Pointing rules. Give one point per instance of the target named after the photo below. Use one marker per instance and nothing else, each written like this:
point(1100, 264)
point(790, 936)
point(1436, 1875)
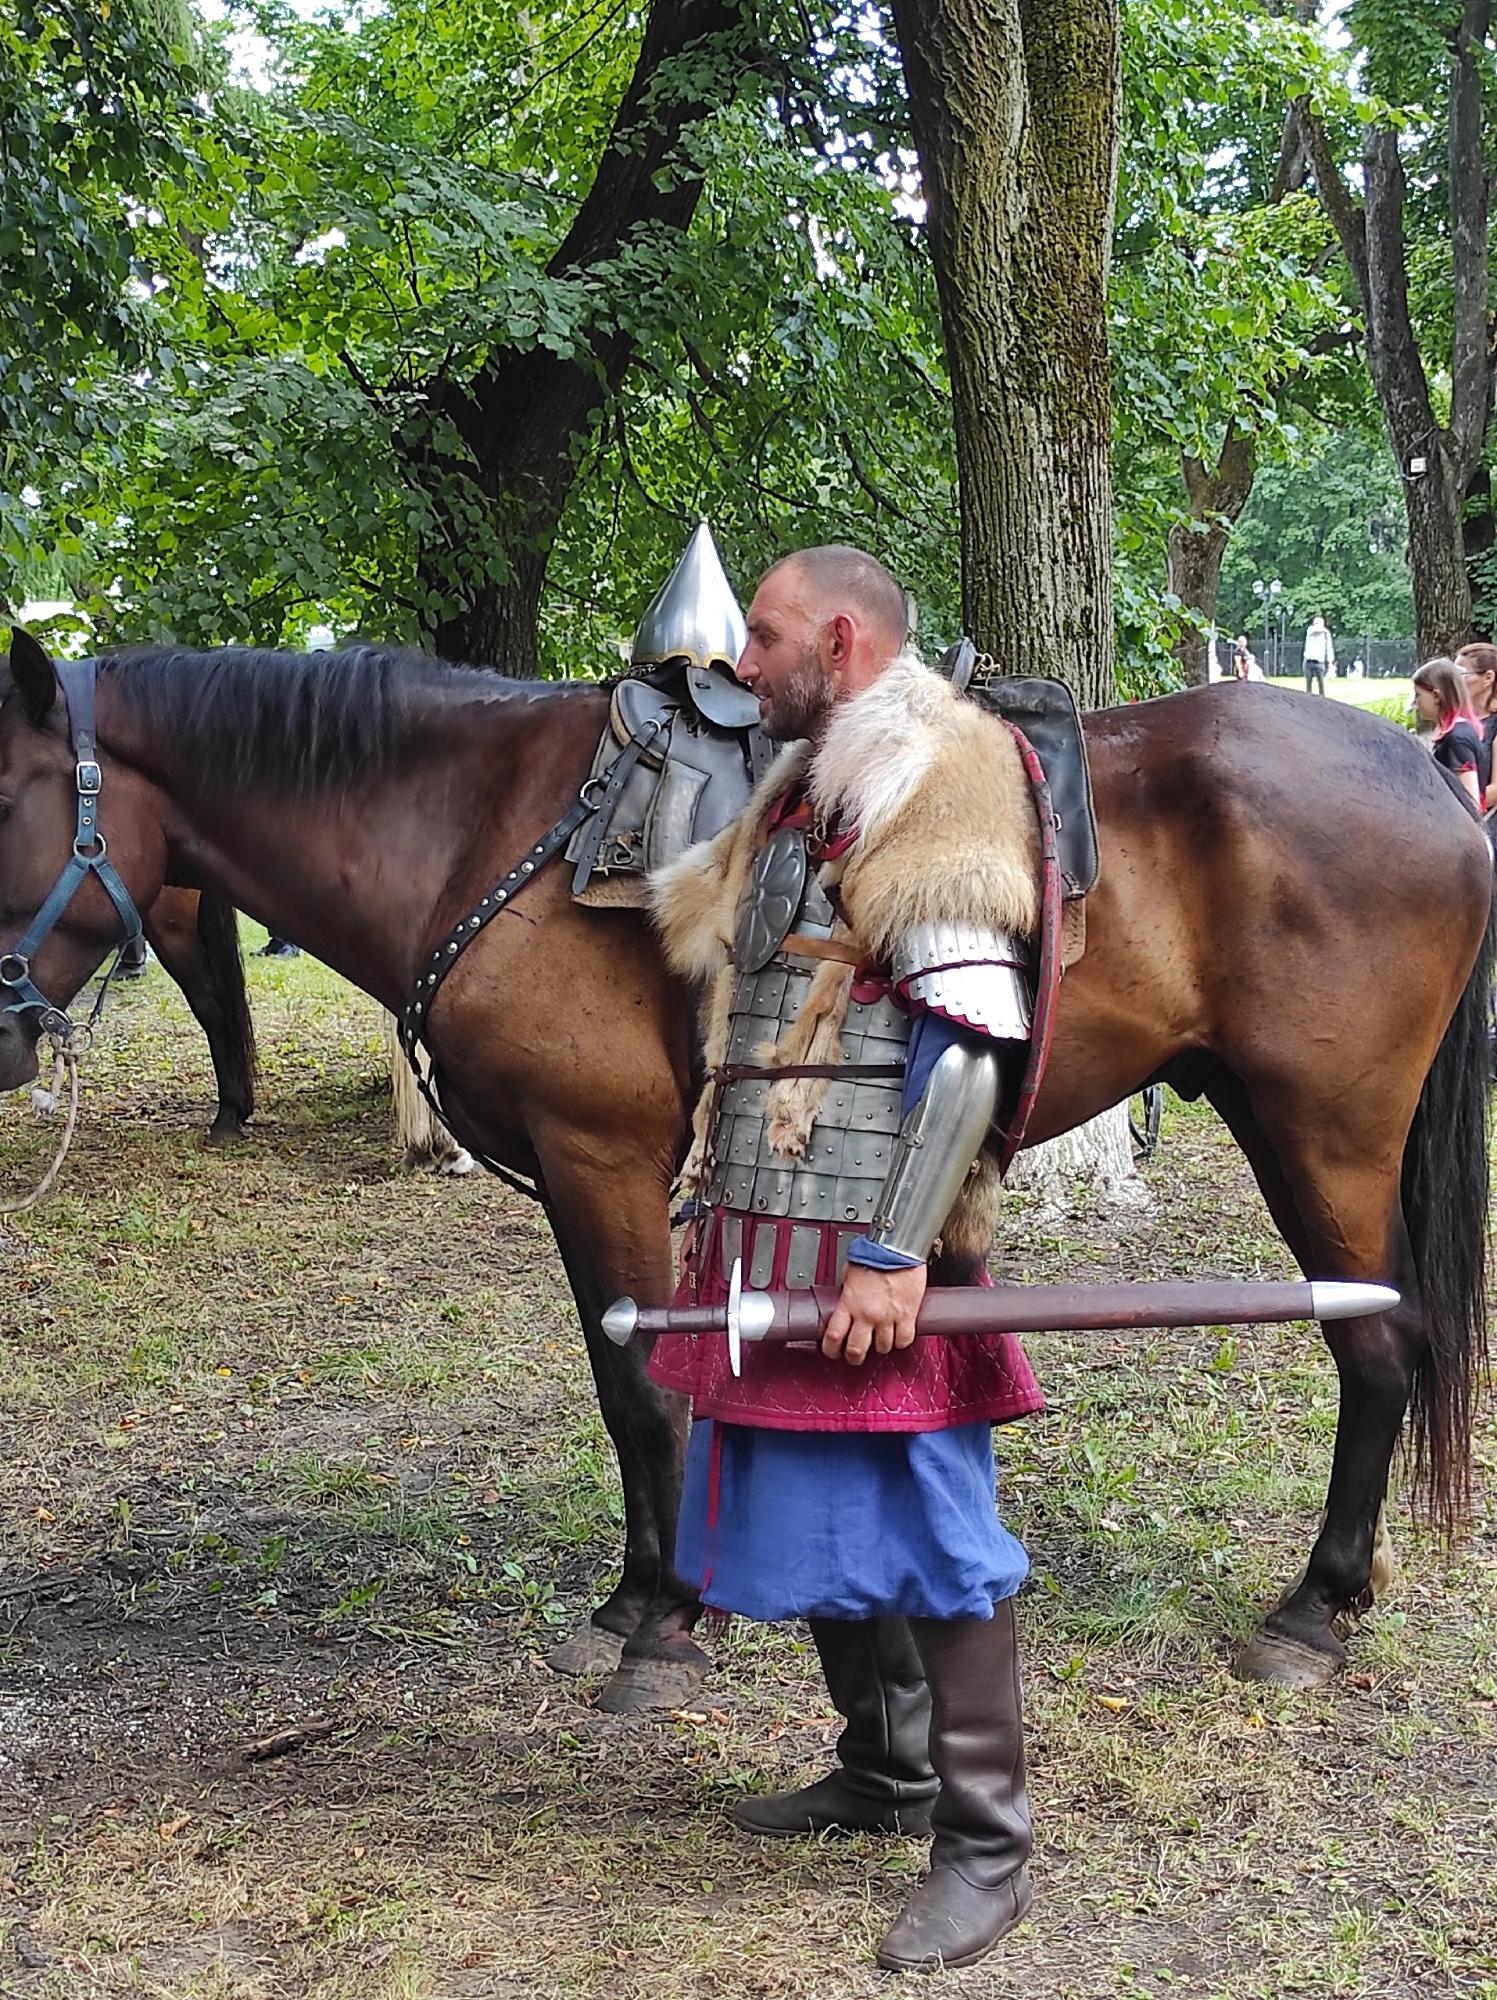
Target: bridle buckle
point(90, 778)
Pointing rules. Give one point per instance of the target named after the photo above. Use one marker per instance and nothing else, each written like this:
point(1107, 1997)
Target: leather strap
point(758, 1073)
point(800, 946)
point(618, 777)
point(411, 1026)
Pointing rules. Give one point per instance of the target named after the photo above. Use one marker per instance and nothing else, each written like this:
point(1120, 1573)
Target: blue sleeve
point(930, 1037)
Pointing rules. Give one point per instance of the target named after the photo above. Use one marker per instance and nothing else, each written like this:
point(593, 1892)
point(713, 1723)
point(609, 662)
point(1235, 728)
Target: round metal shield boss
point(776, 886)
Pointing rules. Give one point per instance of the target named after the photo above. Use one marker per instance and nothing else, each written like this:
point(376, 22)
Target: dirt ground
point(291, 1441)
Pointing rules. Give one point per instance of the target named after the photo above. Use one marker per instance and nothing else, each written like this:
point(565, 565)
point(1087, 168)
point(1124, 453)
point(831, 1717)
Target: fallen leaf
point(1113, 1703)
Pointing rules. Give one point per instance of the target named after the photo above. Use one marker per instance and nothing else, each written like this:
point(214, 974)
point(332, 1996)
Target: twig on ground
point(281, 1742)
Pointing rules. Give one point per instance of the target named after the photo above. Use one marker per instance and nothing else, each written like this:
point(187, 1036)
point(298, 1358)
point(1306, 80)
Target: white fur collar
point(879, 745)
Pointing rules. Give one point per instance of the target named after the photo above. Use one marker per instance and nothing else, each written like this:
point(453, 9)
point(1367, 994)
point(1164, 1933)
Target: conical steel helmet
point(694, 615)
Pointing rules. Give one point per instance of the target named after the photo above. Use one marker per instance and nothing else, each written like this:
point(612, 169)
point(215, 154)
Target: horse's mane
point(293, 723)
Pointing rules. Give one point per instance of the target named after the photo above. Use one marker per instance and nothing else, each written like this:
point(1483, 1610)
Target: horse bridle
point(90, 856)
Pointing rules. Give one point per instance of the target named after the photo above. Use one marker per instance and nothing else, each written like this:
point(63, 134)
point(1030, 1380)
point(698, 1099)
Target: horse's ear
point(34, 676)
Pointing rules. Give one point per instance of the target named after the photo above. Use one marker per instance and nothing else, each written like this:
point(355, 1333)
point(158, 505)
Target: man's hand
point(876, 1311)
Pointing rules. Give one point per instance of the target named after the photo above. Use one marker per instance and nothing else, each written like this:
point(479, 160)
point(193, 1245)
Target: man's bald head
point(837, 577)
point(823, 626)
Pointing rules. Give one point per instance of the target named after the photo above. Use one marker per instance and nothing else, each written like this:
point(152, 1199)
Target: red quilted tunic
point(933, 1385)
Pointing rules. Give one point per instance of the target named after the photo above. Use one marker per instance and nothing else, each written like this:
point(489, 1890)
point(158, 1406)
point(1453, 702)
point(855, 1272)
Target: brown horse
point(1292, 918)
point(196, 939)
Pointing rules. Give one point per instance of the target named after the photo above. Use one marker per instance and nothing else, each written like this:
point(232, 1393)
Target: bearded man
point(857, 930)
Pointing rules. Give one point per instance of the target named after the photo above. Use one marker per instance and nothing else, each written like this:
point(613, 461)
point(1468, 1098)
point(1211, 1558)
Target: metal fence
point(1382, 659)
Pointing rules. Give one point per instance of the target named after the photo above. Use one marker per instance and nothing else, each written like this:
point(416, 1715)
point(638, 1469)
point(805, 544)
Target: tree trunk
point(497, 453)
point(1436, 462)
point(1437, 556)
point(1198, 544)
point(1016, 116)
point(1478, 539)
point(1016, 112)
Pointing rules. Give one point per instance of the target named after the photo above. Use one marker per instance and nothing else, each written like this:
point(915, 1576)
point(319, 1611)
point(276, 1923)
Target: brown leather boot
point(978, 1885)
point(883, 1782)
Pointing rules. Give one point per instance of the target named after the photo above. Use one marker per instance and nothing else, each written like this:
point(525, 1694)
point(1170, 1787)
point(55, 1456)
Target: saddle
point(677, 761)
point(1045, 711)
point(682, 751)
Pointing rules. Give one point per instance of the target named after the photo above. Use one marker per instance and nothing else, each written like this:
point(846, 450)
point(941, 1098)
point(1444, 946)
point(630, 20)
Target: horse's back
point(1272, 865)
point(1241, 776)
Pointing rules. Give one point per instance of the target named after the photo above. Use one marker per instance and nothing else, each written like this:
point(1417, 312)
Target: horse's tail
point(218, 936)
point(422, 1138)
point(1445, 1207)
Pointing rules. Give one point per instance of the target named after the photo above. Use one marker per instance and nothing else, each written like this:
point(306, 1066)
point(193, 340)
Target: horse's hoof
point(590, 1650)
point(642, 1686)
point(224, 1135)
point(1288, 1663)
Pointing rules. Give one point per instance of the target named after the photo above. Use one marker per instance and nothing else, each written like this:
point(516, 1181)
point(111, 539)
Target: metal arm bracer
point(933, 1152)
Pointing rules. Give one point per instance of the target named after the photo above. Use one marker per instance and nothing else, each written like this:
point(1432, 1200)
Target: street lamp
point(1268, 595)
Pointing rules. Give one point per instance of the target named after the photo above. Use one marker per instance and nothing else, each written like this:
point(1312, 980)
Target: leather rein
point(19, 992)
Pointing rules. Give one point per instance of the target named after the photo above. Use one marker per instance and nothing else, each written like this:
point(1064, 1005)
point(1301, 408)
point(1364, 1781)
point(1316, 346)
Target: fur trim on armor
point(946, 833)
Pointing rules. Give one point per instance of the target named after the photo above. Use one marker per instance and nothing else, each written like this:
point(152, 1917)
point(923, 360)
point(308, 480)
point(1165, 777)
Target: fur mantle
point(946, 833)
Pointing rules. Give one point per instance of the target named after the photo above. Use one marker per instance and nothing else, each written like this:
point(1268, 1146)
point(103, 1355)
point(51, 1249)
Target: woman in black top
point(1440, 698)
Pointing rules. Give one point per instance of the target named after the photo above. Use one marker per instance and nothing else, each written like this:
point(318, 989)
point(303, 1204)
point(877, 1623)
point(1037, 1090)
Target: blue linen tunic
point(847, 1525)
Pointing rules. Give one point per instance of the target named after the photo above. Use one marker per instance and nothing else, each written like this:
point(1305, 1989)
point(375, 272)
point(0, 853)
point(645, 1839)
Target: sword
point(951, 1309)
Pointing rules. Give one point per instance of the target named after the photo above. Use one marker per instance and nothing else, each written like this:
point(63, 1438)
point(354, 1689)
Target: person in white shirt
point(1320, 655)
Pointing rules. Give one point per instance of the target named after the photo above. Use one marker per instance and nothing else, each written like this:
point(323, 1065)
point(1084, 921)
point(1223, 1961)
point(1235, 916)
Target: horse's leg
point(1335, 1198)
point(196, 939)
point(611, 1225)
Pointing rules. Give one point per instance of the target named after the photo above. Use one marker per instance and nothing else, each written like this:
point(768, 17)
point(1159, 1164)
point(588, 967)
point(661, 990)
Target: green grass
point(289, 1436)
point(1393, 696)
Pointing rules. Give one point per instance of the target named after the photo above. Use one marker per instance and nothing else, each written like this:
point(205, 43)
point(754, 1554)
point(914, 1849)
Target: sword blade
point(954, 1309)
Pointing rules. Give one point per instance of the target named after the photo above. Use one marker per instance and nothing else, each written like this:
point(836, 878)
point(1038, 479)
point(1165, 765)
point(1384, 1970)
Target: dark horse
point(1292, 917)
point(196, 938)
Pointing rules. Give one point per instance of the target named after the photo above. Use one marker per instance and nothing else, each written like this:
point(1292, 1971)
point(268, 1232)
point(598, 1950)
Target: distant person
point(1440, 702)
point(1320, 655)
point(1242, 654)
point(1477, 666)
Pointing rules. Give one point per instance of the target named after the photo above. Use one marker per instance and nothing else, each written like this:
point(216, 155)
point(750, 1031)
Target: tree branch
point(1347, 219)
point(1293, 168)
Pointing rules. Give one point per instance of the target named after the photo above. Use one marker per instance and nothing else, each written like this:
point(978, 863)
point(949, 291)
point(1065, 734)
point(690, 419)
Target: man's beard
point(802, 705)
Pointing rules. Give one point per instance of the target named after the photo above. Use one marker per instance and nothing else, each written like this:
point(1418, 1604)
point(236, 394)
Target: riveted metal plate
point(805, 1253)
point(776, 885)
point(761, 1259)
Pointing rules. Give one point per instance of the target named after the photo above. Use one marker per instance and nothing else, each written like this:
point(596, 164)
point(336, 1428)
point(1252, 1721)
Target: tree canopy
point(447, 320)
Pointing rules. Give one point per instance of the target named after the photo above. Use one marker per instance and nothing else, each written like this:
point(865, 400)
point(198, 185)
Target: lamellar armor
point(870, 1168)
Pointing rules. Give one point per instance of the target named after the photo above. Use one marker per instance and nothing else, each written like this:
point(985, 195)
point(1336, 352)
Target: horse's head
point(40, 828)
